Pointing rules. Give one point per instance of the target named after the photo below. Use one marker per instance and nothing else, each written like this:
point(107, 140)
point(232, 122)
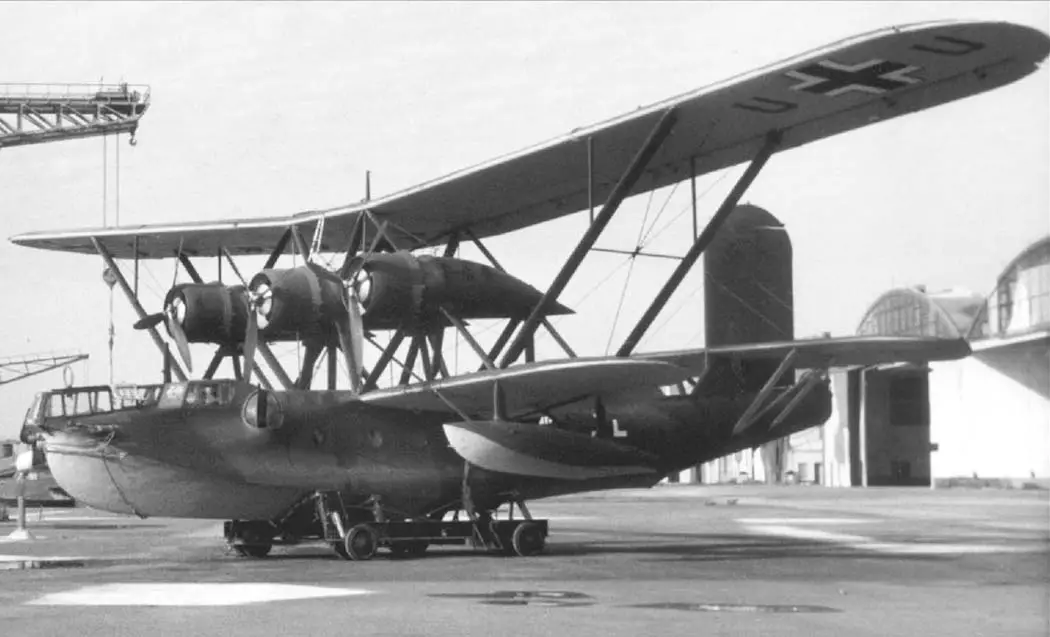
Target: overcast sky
point(272, 108)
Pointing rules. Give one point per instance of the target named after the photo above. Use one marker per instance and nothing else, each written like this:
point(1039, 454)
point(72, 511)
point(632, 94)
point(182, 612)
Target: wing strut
point(545, 322)
point(133, 299)
point(748, 417)
point(384, 358)
point(701, 243)
point(612, 204)
point(806, 385)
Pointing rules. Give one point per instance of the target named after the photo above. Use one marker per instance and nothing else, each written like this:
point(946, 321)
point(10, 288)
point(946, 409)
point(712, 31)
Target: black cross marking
point(829, 78)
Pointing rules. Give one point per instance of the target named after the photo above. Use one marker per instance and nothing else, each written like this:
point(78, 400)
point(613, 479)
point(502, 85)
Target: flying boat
point(437, 457)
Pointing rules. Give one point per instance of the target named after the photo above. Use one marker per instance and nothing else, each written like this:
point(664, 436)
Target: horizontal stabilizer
point(531, 387)
point(543, 451)
point(824, 353)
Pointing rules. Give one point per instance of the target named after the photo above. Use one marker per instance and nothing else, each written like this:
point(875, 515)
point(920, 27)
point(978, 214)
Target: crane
point(33, 113)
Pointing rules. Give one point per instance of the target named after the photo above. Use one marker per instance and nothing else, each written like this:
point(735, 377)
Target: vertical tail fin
point(748, 296)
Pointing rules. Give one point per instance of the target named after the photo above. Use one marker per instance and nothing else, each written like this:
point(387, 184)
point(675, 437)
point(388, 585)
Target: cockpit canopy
point(197, 393)
point(70, 402)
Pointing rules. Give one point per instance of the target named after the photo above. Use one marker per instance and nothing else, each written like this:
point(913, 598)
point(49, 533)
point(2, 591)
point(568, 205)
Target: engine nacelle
point(401, 290)
point(209, 312)
point(296, 303)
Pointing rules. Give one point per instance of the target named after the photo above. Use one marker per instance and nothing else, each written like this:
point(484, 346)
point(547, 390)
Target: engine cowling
point(296, 302)
point(400, 290)
point(209, 312)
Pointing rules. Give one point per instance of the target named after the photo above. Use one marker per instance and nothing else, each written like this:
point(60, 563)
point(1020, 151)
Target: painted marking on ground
point(806, 520)
point(5, 539)
point(204, 594)
point(15, 558)
point(870, 544)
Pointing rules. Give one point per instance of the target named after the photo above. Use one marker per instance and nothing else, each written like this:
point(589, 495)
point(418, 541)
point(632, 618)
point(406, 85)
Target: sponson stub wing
point(840, 87)
point(530, 388)
point(825, 353)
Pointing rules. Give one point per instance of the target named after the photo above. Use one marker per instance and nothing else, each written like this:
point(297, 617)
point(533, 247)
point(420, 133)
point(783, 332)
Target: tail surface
point(748, 297)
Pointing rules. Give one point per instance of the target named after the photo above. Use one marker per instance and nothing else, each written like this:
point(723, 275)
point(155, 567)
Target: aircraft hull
point(210, 464)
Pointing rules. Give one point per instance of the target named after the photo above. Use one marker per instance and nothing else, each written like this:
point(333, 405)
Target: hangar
point(980, 421)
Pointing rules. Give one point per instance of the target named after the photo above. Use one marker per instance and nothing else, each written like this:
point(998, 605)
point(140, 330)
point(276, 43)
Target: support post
point(133, 299)
point(558, 337)
point(701, 243)
point(612, 204)
point(502, 339)
point(192, 271)
point(590, 177)
point(544, 321)
point(469, 338)
point(385, 358)
point(21, 532)
point(300, 242)
point(333, 368)
point(278, 250)
point(692, 190)
point(808, 382)
point(424, 351)
point(213, 366)
point(437, 342)
point(136, 248)
point(862, 429)
point(410, 362)
point(274, 364)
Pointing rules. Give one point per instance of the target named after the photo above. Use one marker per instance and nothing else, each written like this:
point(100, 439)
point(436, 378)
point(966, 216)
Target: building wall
point(986, 424)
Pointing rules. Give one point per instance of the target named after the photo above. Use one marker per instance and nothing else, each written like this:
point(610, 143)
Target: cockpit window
point(172, 395)
point(209, 393)
point(134, 396)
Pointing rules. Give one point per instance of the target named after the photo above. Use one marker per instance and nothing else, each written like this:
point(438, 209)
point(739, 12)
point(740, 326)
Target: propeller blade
point(357, 330)
point(251, 339)
point(346, 343)
point(147, 322)
point(183, 345)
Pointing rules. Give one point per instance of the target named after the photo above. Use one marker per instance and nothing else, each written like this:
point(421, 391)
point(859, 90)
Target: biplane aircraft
point(366, 466)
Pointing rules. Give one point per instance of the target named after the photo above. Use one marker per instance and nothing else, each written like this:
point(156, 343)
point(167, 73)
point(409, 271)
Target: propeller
point(258, 300)
point(173, 314)
point(349, 328)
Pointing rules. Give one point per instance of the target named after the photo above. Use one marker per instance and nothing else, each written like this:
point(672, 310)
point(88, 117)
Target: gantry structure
point(39, 113)
point(17, 368)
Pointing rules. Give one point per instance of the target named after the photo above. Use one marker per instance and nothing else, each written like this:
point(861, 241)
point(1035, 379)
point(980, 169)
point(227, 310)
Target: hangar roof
point(915, 312)
point(1020, 302)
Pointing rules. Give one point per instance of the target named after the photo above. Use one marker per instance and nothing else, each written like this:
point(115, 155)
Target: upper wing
point(823, 353)
point(837, 88)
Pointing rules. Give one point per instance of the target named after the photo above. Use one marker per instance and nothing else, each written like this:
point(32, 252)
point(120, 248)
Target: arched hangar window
point(1020, 302)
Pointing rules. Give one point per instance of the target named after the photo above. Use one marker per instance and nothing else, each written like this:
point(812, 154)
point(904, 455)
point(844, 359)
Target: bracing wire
point(619, 306)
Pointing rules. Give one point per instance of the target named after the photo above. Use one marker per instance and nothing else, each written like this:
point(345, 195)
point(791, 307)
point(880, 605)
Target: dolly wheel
point(528, 539)
point(361, 542)
point(340, 550)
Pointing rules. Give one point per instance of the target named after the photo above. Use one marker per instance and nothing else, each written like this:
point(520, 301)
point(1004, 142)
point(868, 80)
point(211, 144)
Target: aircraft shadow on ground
point(663, 548)
point(724, 548)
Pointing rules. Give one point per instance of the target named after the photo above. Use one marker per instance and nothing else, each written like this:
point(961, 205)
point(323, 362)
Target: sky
point(262, 109)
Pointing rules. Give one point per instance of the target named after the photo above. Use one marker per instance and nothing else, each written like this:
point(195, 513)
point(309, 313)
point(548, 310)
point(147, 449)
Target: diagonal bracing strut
point(133, 299)
point(748, 418)
point(619, 193)
point(701, 243)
